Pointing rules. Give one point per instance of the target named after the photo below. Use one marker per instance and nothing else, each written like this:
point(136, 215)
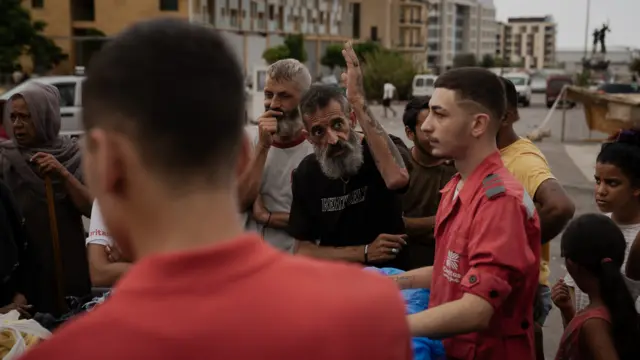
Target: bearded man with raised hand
point(346, 203)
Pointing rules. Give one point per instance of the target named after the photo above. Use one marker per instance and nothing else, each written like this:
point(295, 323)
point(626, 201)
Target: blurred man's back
point(162, 153)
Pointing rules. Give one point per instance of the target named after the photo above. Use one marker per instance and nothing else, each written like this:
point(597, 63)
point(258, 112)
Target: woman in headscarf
point(36, 151)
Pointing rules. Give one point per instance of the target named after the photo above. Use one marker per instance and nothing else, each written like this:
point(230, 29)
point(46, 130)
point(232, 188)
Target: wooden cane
point(57, 256)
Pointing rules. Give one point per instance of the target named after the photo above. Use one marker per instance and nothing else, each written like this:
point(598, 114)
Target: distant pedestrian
point(388, 93)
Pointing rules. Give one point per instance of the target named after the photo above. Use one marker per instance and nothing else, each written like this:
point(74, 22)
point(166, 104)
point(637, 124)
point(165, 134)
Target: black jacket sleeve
point(19, 236)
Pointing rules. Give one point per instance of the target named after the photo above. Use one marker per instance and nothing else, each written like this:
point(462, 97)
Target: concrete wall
point(256, 44)
point(312, 57)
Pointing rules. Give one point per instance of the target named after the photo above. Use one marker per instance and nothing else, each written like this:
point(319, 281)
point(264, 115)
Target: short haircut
point(510, 92)
point(290, 70)
point(319, 96)
point(176, 90)
point(413, 109)
point(478, 85)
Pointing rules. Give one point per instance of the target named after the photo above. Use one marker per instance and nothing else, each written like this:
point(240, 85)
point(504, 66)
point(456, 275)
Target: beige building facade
point(396, 24)
point(251, 26)
point(529, 41)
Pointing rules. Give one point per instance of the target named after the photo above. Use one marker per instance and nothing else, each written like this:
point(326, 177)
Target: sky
point(571, 15)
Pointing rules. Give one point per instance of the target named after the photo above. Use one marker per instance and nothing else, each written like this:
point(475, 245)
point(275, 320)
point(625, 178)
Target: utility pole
point(586, 30)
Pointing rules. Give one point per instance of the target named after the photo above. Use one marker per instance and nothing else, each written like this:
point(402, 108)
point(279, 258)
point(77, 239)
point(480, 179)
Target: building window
point(356, 21)
point(83, 10)
point(37, 4)
point(168, 5)
point(374, 33)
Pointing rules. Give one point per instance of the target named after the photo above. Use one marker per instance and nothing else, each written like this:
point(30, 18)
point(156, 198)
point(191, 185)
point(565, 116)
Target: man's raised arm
point(385, 153)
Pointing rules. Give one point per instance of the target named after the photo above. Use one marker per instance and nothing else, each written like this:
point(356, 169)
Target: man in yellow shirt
point(527, 164)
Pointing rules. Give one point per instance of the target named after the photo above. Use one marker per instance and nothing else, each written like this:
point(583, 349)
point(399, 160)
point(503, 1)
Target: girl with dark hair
point(617, 194)
point(609, 327)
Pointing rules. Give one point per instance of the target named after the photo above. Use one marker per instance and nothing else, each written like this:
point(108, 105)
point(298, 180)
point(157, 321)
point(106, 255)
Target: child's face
point(613, 190)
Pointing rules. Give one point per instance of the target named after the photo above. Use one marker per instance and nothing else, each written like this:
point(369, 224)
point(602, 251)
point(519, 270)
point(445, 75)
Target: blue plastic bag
point(417, 300)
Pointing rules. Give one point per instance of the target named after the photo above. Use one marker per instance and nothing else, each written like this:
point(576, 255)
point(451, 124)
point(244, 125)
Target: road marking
point(584, 156)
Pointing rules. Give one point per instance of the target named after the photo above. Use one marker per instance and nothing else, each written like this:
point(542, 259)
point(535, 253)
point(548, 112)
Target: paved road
point(563, 167)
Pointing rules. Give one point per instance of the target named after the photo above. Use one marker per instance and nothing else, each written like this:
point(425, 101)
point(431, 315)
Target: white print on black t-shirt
point(341, 202)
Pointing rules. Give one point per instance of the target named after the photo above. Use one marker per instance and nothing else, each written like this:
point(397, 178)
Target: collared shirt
point(488, 244)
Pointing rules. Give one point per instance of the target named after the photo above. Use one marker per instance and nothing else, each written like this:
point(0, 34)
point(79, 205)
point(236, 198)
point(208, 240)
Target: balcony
point(411, 46)
point(411, 22)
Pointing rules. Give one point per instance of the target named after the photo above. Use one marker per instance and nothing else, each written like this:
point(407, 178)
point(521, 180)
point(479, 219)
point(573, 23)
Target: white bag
point(10, 322)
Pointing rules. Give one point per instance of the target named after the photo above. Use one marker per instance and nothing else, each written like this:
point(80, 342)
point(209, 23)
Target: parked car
point(555, 83)
point(423, 85)
point(70, 88)
point(522, 83)
point(617, 88)
point(538, 84)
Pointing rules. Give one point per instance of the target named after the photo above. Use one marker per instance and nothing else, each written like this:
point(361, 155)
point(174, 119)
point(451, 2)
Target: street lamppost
point(586, 29)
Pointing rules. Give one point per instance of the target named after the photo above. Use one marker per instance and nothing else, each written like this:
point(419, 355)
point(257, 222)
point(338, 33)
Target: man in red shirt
point(485, 273)
point(163, 163)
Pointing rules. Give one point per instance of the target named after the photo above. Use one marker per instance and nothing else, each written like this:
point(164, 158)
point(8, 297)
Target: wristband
point(366, 254)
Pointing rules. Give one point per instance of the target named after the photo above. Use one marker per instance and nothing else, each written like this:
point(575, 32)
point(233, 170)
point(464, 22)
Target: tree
point(332, 57)
point(293, 48)
point(365, 48)
point(383, 66)
point(275, 53)
point(488, 61)
point(19, 35)
point(295, 44)
point(502, 62)
point(464, 60)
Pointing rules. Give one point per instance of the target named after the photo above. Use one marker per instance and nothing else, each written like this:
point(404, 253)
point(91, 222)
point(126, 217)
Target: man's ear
point(480, 125)
point(410, 134)
point(352, 117)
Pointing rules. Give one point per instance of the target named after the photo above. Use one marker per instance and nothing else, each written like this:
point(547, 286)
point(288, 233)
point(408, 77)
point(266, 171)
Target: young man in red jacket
point(485, 274)
point(163, 163)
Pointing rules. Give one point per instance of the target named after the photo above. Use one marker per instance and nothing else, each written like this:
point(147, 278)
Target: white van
point(423, 85)
point(522, 81)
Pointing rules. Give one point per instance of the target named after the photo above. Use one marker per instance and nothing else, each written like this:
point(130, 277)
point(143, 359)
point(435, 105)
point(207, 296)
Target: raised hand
point(353, 78)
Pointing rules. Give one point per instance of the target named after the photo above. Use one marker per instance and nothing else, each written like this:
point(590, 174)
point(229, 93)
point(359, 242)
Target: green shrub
point(382, 66)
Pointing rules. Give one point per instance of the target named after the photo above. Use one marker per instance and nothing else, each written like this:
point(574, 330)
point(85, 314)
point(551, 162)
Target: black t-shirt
point(339, 213)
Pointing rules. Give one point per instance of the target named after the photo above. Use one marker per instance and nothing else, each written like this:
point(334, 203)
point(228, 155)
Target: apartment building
point(528, 41)
point(399, 25)
point(459, 27)
point(251, 26)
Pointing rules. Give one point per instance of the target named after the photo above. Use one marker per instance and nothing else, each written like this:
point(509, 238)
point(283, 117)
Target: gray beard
point(346, 164)
point(289, 126)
